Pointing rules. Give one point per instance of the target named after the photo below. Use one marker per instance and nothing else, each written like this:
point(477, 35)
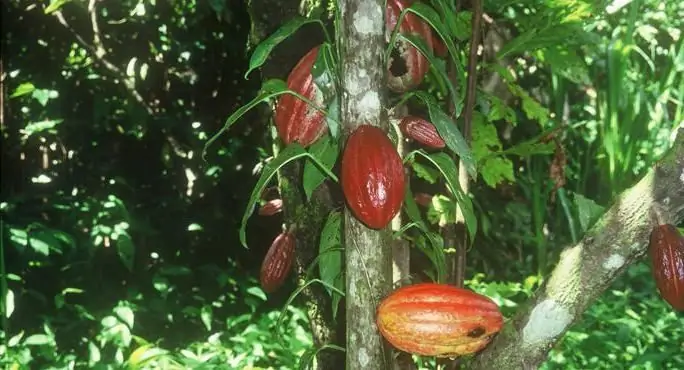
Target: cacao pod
point(421, 131)
point(372, 177)
point(271, 207)
point(667, 258)
point(277, 263)
point(439, 320)
point(407, 65)
point(295, 120)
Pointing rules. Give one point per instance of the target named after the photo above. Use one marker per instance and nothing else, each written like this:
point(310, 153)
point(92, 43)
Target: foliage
point(121, 245)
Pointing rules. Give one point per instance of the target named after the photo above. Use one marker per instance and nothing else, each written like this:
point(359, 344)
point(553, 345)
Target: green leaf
point(291, 153)
point(424, 172)
point(531, 107)
point(9, 303)
point(448, 169)
point(332, 119)
point(460, 25)
point(42, 95)
point(269, 89)
point(495, 170)
point(23, 89)
point(125, 249)
point(433, 19)
point(500, 110)
point(449, 132)
point(55, 5)
point(588, 211)
point(323, 70)
point(326, 151)
point(420, 44)
point(37, 340)
point(125, 315)
point(206, 315)
point(533, 146)
point(330, 260)
point(257, 292)
point(337, 298)
point(485, 139)
point(411, 207)
point(264, 49)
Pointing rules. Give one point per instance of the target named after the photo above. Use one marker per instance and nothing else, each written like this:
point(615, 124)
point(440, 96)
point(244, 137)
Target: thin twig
point(98, 51)
point(471, 93)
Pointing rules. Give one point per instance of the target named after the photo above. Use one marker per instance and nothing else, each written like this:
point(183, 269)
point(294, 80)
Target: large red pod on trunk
point(408, 66)
point(372, 176)
point(295, 120)
point(278, 262)
point(439, 320)
point(667, 258)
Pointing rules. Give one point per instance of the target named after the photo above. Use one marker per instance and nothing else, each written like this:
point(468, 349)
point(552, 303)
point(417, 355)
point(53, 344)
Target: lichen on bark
point(367, 252)
point(618, 239)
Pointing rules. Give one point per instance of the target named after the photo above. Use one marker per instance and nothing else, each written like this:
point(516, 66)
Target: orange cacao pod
point(295, 120)
point(271, 207)
point(439, 320)
point(421, 131)
point(277, 263)
point(667, 258)
point(372, 176)
point(408, 66)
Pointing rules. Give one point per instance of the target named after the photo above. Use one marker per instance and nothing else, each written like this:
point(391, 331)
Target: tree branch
point(586, 269)
point(98, 51)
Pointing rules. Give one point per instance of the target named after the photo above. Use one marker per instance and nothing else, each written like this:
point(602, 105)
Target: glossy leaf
point(264, 49)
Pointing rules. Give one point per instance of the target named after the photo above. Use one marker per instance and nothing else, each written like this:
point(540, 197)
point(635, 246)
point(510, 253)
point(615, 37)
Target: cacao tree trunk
point(585, 270)
point(367, 252)
point(307, 216)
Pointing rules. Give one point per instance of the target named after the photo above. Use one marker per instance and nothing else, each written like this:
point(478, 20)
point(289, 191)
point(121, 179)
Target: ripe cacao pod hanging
point(278, 262)
point(372, 176)
point(667, 258)
point(271, 207)
point(421, 131)
point(295, 120)
point(407, 65)
point(439, 320)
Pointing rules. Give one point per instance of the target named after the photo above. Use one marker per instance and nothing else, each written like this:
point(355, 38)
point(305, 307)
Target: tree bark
point(309, 216)
point(367, 252)
point(586, 269)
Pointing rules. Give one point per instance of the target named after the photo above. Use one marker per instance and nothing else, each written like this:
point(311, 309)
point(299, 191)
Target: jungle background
point(120, 243)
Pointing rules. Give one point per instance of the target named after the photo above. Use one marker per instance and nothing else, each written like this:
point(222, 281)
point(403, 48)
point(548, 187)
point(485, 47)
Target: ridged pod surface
point(409, 73)
point(295, 120)
point(666, 248)
point(439, 320)
point(372, 176)
point(278, 262)
point(421, 131)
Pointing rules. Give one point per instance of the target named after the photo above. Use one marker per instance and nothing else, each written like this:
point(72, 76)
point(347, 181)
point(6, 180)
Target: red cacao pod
point(421, 131)
point(439, 320)
point(408, 66)
point(372, 176)
point(295, 120)
point(667, 258)
point(271, 207)
point(278, 261)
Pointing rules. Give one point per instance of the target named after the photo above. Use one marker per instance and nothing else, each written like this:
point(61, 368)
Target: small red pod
point(666, 248)
point(421, 131)
point(278, 262)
